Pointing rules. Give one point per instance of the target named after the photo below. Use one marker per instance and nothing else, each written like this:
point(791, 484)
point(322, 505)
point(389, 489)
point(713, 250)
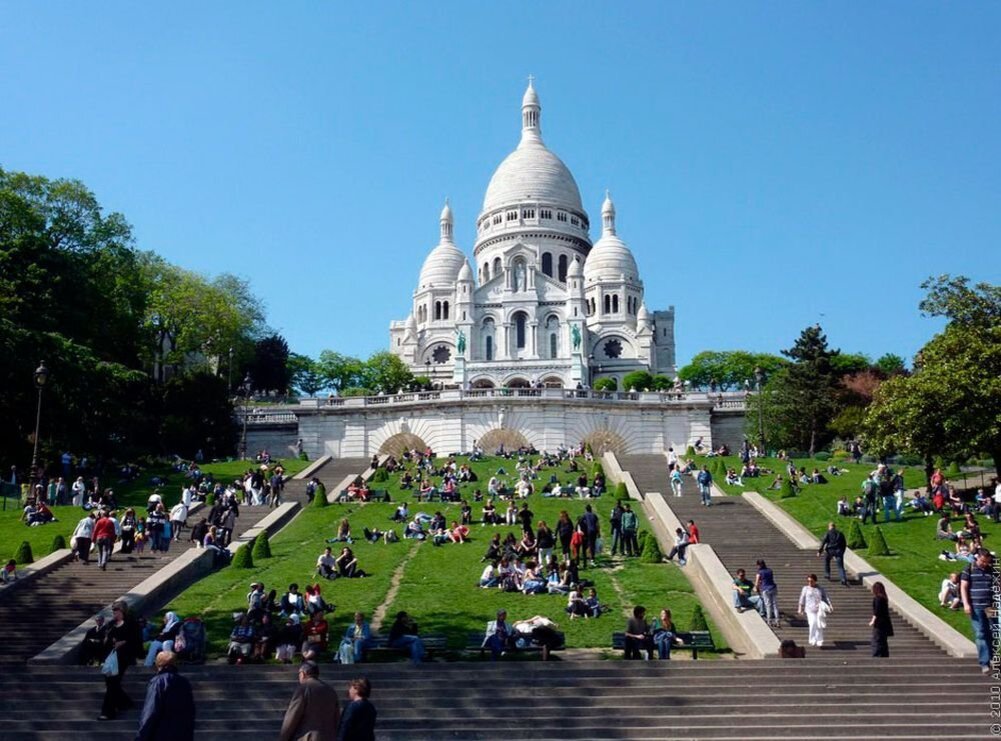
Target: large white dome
point(532, 173)
point(441, 267)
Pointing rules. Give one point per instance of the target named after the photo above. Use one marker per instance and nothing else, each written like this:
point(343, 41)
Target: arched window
point(563, 269)
point(488, 347)
point(444, 310)
point(487, 332)
point(552, 345)
point(437, 310)
point(615, 303)
point(520, 320)
point(485, 274)
point(547, 264)
point(608, 305)
point(497, 267)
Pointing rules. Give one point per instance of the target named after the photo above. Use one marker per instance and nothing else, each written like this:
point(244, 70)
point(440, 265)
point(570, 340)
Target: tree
point(269, 369)
point(638, 381)
point(843, 364)
point(306, 375)
point(605, 384)
point(729, 369)
point(197, 415)
point(890, 365)
point(385, 372)
point(339, 371)
point(950, 405)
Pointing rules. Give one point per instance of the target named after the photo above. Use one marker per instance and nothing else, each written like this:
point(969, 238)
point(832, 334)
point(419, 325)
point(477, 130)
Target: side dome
point(610, 258)
point(441, 267)
point(465, 272)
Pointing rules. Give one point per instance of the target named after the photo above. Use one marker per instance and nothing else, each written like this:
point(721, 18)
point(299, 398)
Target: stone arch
point(552, 382)
point(518, 382)
point(482, 383)
point(510, 439)
point(603, 440)
point(400, 442)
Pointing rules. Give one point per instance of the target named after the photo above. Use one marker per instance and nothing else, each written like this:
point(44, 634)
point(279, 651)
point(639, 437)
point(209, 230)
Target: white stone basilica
point(546, 306)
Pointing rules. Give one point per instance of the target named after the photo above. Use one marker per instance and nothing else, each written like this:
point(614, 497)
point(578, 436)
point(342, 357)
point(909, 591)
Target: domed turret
point(442, 265)
point(610, 258)
point(574, 271)
point(465, 273)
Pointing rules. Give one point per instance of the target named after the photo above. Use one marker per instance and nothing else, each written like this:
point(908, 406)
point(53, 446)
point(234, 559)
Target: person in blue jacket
point(169, 711)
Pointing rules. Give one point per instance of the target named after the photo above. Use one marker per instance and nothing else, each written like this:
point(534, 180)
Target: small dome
point(642, 316)
point(411, 322)
point(610, 258)
point(574, 271)
point(441, 267)
point(465, 272)
point(530, 98)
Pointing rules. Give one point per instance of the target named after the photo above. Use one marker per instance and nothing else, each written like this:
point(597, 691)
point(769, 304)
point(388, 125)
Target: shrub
point(662, 383)
point(262, 546)
point(878, 546)
point(641, 538)
point(243, 558)
point(788, 491)
point(598, 468)
point(637, 381)
point(320, 496)
point(690, 451)
point(855, 538)
point(699, 621)
point(953, 469)
point(650, 550)
point(58, 543)
point(303, 456)
point(23, 554)
point(605, 384)
point(621, 492)
point(380, 475)
point(823, 455)
point(210, 499)
point(840, 455)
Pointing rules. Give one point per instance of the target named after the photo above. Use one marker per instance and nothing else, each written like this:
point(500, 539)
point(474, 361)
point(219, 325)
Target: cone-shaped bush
point(380, 475)
point(58, 543)
point(698, 619)
point(953, 469)
point(320, 496)
point(23, 554)
point(262, 546)
point(855, 538)
point(621, 492)
point(598, 468)
point(650, 551)
point(690, 452)
point(243, 558)
point(787, 491)
point(210, 499)
point(877, 544)
point(641, 537)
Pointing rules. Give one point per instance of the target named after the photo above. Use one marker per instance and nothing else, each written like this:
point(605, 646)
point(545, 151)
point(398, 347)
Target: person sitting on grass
point(314, 633)
point(844, 508)
point(458, 533)
point(489, 512)
point(489, 578)
point(402, 513)
point(494, 549)
point(732, 479)
point(292, 602)
point(943, 530)
point(347, 564)
point(527, 547)
point(343, 533)
point(964, 552)
point(241, 641)
point(289, 639)
point(315, 602)
point(576, 604)
point(948, 595)
point(414, 530)
point(593, 604)
point(407, 480)
point(326, 564)
point(532, 582)
point(426, 491)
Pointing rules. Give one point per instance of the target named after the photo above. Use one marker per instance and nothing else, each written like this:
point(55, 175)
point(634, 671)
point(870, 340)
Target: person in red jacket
point(693, 533)
point(104, 536)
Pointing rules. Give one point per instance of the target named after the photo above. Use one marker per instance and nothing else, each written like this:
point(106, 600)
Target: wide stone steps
point(741, 535)
point(823, 698)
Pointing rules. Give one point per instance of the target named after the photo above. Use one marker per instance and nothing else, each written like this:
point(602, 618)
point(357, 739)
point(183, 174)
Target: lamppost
point(759, 376)
point(590, 368)
point(245, 388)
point(41, 377)
point(229, 373)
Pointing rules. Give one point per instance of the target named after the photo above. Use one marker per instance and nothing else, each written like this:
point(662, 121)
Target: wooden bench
point(694, 641)
point(433, 643)
point(374, 495)
point(475, 642)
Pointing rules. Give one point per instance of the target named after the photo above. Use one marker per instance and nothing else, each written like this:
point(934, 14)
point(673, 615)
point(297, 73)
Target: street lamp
point(41, 378)
point(590, 368)
point(245, 389)
point(759, 376)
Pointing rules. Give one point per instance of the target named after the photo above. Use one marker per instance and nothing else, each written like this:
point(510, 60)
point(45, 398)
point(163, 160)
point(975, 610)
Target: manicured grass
point(439, 584)
point(914, 565)
point(131, 494)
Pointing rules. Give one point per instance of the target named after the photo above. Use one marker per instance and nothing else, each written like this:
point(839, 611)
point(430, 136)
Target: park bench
point(694, 641)
point(433, 643)
point(476, 642)
point(374, 495)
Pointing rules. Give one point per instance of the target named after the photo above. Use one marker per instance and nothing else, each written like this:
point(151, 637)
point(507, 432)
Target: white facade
point(540, 304)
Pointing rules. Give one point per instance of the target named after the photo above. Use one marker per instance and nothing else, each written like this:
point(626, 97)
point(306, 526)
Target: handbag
point(110, 666)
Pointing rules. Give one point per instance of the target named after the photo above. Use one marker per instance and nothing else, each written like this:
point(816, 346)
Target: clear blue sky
point(773, 164)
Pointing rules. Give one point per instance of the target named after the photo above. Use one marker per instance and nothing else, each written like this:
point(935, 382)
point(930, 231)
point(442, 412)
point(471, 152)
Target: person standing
point(314, 710)
point(592, 529)
point(615, 520)
point(169, 711)
point(178, 517)
point(676, 481)
point(629, 525)
point(976, 590)
point(833, 546)
point(104, 536)
point(812, 600)
point(882, 627)
point(705, 482)
point(764, 584)
point(124, 637)
point(358, 720)
point(81, 539)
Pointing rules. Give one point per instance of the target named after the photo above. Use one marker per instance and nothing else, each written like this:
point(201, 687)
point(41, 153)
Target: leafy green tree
point(729, 369)
point(605, 384)
point(339, 371)
point(890, 365)
point(386, 373)
point(637, 380)
point(843, 364)
point(306, 375)
point(269, 369)
point(197, 414)
point(662, 383)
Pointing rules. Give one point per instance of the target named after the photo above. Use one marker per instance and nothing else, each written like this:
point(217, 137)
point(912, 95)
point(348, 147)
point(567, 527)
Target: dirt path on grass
point(626, 609)
point(394, 587)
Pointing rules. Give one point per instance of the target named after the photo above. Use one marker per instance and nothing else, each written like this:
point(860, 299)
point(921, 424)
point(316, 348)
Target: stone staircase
point(35, 615)
point(826, 698)
point(741, 535)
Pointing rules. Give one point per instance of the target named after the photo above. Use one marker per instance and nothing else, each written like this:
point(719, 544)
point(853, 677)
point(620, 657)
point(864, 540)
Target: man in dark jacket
point(358, 722)
point(169, 711)
point(314, 711)
point(833, 546)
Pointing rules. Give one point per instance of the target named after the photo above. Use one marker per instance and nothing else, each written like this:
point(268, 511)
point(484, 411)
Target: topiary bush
point(823, 455)
point(699, 621)
point(262, 546)
point(621, 492)
point(243, 558)
point(598, 469)
point(690, 451)
point(953, 469)
point(320, 496)
point(877, 545)
point(380, 475)
point(641, 538)
point(650, 550)
point(855, 538)
point(605, 384)
point(788, 491)
point(209, 499)
point(23, 554)
point(58, 544)
point(637, 381)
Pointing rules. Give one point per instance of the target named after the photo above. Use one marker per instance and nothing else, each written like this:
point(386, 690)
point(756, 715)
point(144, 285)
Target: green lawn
point(914, 565)
point(135, 493)
point(439, 584)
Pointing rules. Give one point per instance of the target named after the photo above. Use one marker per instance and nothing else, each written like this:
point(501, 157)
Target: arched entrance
point(482, 383)
point(552, 382)
point(518, 383)
point(401, 442)
point(602, 441)
point(510, 439)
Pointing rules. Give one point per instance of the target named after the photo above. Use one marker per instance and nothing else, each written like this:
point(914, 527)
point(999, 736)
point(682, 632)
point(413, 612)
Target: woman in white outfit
point(813, 600)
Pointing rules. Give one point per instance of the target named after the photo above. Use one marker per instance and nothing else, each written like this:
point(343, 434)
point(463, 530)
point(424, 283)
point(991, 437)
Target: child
point(9, 573)
point(139, 545)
